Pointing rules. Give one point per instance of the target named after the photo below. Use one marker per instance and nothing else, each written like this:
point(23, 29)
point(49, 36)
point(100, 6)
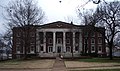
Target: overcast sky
point(54, 10)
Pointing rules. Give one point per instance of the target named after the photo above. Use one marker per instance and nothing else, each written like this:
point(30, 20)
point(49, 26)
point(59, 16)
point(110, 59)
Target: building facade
point(56, 38)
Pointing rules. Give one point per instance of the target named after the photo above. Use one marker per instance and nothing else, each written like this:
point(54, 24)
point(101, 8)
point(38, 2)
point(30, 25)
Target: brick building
point(55, 38)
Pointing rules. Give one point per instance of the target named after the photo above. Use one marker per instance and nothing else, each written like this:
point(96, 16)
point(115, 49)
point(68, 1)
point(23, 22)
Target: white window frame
point(50, 50)
point(18, 47)
point(92, 51)
point(32, 50)
point(69, 49)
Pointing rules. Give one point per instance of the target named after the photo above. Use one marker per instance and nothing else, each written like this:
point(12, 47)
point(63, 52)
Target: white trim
point(58, 30)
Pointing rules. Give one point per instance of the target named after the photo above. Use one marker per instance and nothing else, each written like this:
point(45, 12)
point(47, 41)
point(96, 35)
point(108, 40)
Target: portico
point(59, 41)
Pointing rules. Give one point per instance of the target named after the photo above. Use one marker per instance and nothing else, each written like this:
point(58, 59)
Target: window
point(99, 48)
point(41, 48)
point(86, 34)
point(41, 41)
point(99, 35)
point(50, 49)
point(32, 41)
point(68, 34)
point(93, 34)
point(92, 48)
point(68, 49)
point(86, 48)
point(85, 41)
point(99, 40)
point(76, 40)
point(18, 34)
point(92, 41)
point(59, 40)
point(50, 40)
point(32, 49)
point(18, 49)
point(76, 48)
point(67, 41)
point(18, 41)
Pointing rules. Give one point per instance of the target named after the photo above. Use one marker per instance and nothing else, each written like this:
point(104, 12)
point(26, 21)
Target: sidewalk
point(59, 65)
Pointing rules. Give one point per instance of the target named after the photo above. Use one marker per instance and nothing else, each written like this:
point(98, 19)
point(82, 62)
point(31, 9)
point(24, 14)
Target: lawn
point(101, 60)
point(35, 63)
point(11, 62)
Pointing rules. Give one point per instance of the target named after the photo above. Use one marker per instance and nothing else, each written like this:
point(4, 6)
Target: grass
point(10, 62)
point(15, 61)
point(101, 60)
point(99, 70)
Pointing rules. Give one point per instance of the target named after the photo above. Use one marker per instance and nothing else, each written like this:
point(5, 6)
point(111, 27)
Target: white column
point(80, 41)
point(64, 45)
point(44, 41)
point(54, 40)
point(37, 42)
point(73, 41)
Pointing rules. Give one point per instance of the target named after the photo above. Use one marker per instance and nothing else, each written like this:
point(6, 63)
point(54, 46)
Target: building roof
point(59, 24)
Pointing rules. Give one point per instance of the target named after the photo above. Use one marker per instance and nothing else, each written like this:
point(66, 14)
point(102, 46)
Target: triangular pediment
point(59, 24)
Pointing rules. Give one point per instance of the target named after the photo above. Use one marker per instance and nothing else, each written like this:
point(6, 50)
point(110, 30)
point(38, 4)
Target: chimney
point(71, 22)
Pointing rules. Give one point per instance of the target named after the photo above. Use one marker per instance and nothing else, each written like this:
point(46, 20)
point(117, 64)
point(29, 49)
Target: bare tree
point(111, 21)
point(108, 16)
point(23, 13)
point(89, 19)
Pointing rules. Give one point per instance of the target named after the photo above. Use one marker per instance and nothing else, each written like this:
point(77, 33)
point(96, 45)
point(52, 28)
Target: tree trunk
point(110, 52)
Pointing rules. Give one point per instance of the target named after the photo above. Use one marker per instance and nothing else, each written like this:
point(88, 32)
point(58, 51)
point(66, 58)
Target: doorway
point(59, 49)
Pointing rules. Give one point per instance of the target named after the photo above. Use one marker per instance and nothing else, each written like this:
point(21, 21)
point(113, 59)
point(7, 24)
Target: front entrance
point(59, 49)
